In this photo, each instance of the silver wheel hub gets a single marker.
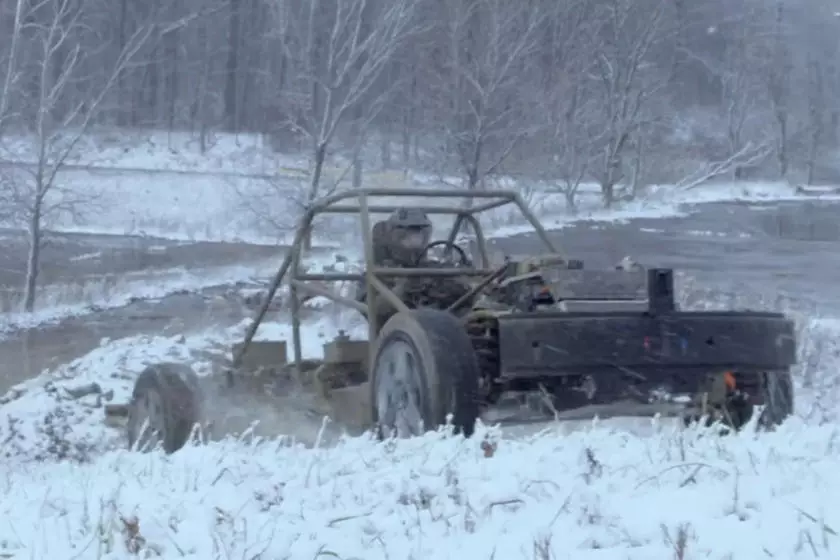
(399, 400)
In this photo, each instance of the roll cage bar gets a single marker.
(372, 275)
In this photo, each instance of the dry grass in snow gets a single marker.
(594, 494)
(600, 492)
(59, 415)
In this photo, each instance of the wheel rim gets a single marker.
(148, 428)
(399, 395)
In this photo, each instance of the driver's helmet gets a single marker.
(411, 231)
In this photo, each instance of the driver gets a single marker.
(400, 240)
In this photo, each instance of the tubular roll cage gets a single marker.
(373, 275)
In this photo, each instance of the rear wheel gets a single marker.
(775, 391)
(778, 399)
(424, 369)
(164, 408)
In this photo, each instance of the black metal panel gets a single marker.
(540, 344)
(660, 289)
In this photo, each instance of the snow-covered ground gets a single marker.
(113, 291)
(60, 413)
(597, 494)
(602, 492)
(661, 201)
(162, 185)
(153, 150)
(221, 208)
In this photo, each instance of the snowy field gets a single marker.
(597, 494)
(207, 207)
(162, 185)
(602, 491)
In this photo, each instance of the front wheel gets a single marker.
(424, 369)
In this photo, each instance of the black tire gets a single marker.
(778, 399)
(440, 376)
(167, 396)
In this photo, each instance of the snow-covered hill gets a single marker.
(612, 490)
(599, 494)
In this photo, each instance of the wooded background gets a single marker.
(619, 92)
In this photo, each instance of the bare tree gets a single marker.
(588, 87)
(777, 73)
(624, 81)
(55, 42)
(573, 149)
(741, 105)
(479, 81)
(746, 156)
(571, 112)
(820, 48)
(336, 52)
(816, 116)
(11, 63)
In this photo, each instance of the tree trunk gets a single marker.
(33, 258)
(202, 111)
(611, 177)
(231, 96)
(171, 81)
(406, 143)
(813, 148)
(638, 165)
(123, 112)
(385, 150)
(319, 156)
(11, 67)
(608, 194)
(571, 200)
(358, 172)
(472, 178)
(783, 145)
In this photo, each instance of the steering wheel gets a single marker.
(463, 260)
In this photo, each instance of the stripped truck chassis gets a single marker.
(601, 337)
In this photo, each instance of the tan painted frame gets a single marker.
(372, 276)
